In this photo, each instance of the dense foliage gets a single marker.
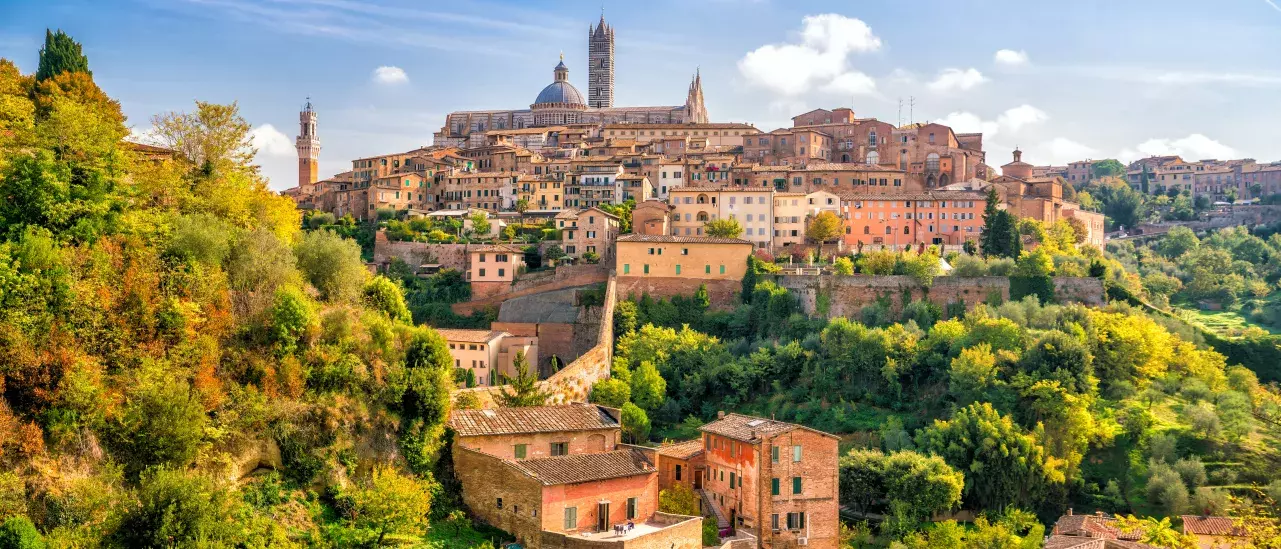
(167, 329)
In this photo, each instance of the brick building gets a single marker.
(651, 217)
(589, 230)
(776, 480)
(556, 477)
(904, 220)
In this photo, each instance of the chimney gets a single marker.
(1069, 511)
(720, 414)
(1098, 514)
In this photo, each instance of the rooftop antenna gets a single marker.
(900, 112)
(911, 109)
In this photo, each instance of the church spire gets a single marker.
(694, 107)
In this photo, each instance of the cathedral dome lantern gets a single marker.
(560, 102)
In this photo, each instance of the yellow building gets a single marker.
(688, 257)
(693, 207)
(489, 354)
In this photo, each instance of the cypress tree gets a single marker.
(60, 54)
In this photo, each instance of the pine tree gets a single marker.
(60, 54)
(523, 389)
(1000, 236)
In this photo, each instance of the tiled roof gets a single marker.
(1211, 526)
(711, 126)
(673, 239)
(925, 195)
(1073, 542)
(1093, 526)
(469, 336)
(500, 248)
(682, 450)
(532, 419)
(573, 469)
(747, 428)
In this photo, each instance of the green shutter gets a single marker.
(647, 268)
(520, 451)
(678, 269)
(796, 485)
(708, 269)
(773, 486)
(627, 268)
(722, 269)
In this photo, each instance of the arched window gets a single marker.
(932, 162)
(845, 158)
(871, 138)
(702, 216)
(873, 158)
(902, 160)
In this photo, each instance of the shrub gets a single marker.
(384, 295)
(17, 532)
(711, 535)
(968, 265)
(332, 264)
(176, 510)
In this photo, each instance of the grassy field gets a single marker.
(1225, 322)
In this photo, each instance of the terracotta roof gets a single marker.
(746, 428)
(1211, 526)
(470, 336)
(682, 450)
(502, 248)
(578, 468)
(1093, 526)
(925, 195)
(1073, 542)
(710, 126)
(673, 239)
(532, 419)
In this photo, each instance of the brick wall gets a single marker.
(818, 499)
(450, 256)
(573, 382)
(681, 533)
(487, 478)
(538, 445)
(847, 295)
(722, 293)
(554, 339)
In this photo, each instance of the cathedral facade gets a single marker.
(560, 103)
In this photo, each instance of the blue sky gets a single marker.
(1080, 79)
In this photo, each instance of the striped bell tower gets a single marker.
(308, 147)
(600, 65)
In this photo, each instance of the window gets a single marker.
(560, 448)
(796, 521)
(627, 268)
(773, 486)
(722, 269)
(482, 272)
(796, 485)
(631, 508)
(773, 522)
(707, 270)
(571, 518)
(873, 158)
(678, 472)
(502, 272)
(500, 503)
(796, 453)
(684, 251)
(647, 268)
(678, 269)
(731, 479)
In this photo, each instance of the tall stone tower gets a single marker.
(308, 147)
(695, 111)
(600, 65)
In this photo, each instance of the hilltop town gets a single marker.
(578, 325)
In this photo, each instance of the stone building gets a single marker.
(1041, 198)
(651, 217)
(492, 268)
(589, 230)
(560, 103)
(489, 354)
(556, 477)
(776, 480)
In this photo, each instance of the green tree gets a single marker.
(612, 392)
(843, 266)
(878, 263)
(972, 373)
(1006, 467)
(292, 318)
(921, 267)
(17, 532)
(60, 54)
(175, 509)
(479, 220)
(215, 138)
(680, 499)
(554, 253)
(162, 423)
(635, 423)
(723, 228)
(823, 227)
(1108, 168)
(392, 503)
(522, 390)
(332, 264)
(381, 294)
(648, 387)
(1178, 241)
(1000, 237)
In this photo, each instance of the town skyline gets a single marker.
(1137, 95)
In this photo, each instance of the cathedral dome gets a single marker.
(560, 92)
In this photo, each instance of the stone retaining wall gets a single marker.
(847, 295)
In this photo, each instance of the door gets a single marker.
(602, 517)
(698, 480)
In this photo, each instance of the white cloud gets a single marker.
(1010, 121)
(1059, 151)
(390, 75)
(851, 83)
(957, 80)
(146, 136)
(1016, 118)
(271, 142)
(1192, 147)
(818, 60)
(1011, 58)
(968, 122)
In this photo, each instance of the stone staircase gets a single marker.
(709, 503)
